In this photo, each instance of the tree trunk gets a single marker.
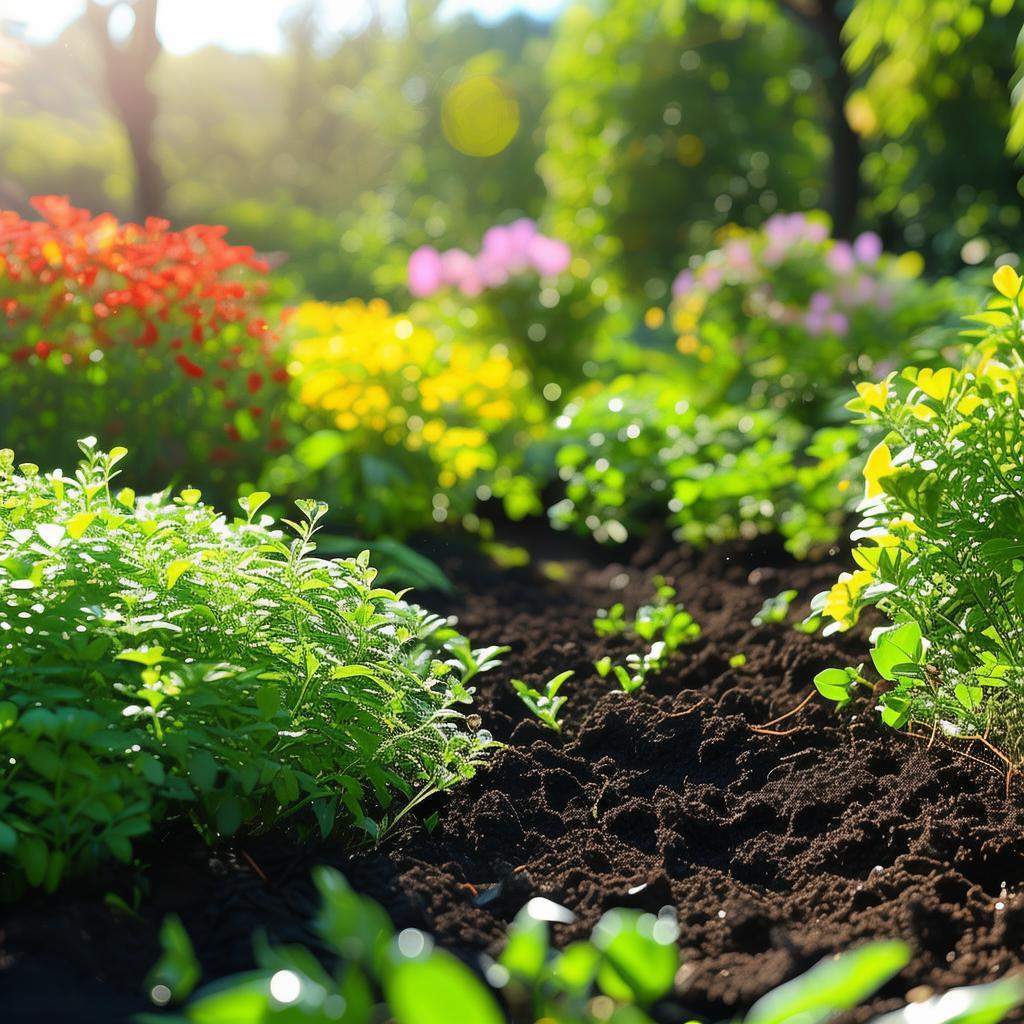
(822, 17)
(127, 66)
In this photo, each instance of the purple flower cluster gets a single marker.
(507, 251)
(851, 277)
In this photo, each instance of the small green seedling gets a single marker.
(663, 625)
(737, 661)
(547, 705)
(611, 621)
(775, 609)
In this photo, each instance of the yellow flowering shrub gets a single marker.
(940, 550)
(401, 426)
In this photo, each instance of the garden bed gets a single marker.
(775, 846)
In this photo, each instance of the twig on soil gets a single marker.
(259, 871)
(782, 718)
(761, 731)
(689, 711)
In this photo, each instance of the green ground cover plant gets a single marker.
(629, 964)
(939, 549)
(159, 659)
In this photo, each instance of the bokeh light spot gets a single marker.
(480, 116)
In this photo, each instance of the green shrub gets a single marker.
(160, 659)
(630, 963)
(940, 548)
(635, 453)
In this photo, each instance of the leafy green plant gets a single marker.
(643, 449)
(158, 658)
(939, 549)
(546, 704)
(630, 963)
(663, 624)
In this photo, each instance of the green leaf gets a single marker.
(176, 569)
(897, 646)
(268, 700)
(202, 770)
(969, 696)
(229, 816)
(895, 710)
(8, 714)
(177, 967)
(575, 967)
(78, 524)
(355, 925)
(32, 855)
(975, 1004)
(834, 684)
(831, 986)
(241, 1000)
(8, 838)
(526, 948)
(640, 956)
(433, 987)
(252, 503)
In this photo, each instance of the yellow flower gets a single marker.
(878, 466)
(922, 412)
(936, 383)
(968, 404)
(841, 603)
(874, 395)
(1007, 282)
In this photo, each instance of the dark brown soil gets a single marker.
(774, 848)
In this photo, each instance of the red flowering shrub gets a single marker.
(140, 335)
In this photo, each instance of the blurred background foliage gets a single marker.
(643, 126)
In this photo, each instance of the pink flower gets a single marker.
(456, 264)
(838, 323)
(867, 247)
(840, 258)
(816, 232)
(549, 256)
(815, 323)
(470, 285)
(820, 302)
(711, 277)
(683, 284)
(424, 271)
(492, 270)
(738, 255)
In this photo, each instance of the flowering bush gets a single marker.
(160, 659)
(785, 315)
(745, 436)
(940, 550)
(522, 290)
(149, 335)
(401, 428)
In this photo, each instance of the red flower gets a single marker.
(190, 369)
